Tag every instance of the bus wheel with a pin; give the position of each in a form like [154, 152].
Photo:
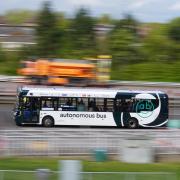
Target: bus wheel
[133, 123]
[48, 121]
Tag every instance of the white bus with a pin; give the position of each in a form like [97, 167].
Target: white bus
[91, 107]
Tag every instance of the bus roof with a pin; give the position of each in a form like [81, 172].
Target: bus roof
[78, 92]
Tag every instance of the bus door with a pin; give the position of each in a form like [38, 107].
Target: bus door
[31, 110]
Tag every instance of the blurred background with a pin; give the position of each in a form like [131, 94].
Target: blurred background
[139, 36]
[132, 44]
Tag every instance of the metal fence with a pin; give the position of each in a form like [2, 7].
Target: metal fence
[52, 142]
[55, 175]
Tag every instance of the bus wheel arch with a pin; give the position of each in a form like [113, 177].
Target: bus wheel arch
[48, 121]
[133, 123]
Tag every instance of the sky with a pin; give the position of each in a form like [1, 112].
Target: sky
[143, 10]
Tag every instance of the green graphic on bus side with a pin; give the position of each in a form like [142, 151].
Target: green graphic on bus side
[144, 108]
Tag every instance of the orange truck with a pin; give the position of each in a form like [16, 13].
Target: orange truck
[58, 71]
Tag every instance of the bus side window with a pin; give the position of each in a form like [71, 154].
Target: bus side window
[127, 105]
[67, 104]
[124, 105]
[91, 104]
[47, 104]
[99, 105]
[61, 102]
[81, 105]
[110, 105]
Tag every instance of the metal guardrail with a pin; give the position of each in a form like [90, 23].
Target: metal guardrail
[144, 83]
[82, 141]
[4, 78]
[7, 97]
[17, 79]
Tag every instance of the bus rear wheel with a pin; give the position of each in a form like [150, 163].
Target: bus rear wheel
[48, 121]
[133, 123]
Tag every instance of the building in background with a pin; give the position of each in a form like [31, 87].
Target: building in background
[13, 37]
[102, 30]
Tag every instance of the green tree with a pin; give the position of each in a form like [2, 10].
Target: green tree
[128, 23]
[102, 39]
[83, 35]
[28, 51]
[2, 55]
[124, 42]
[124, 48]
[63, 22]
[105, 19]
[65, 50]
[174, 30]
[156, 44]
[48, 33]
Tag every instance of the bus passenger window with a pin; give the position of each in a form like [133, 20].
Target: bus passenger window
[99, 104]
[47, 104]
[69, 102]
[91, 105]
[124, 105]
[81, 106]
[110, 105]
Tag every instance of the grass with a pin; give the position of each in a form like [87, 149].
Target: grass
[162, 72]
[29, 164]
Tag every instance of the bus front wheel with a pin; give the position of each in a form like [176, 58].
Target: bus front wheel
[48, 121]
[133, 123]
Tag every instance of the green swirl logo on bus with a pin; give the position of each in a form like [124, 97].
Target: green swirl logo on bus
[144, 108]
